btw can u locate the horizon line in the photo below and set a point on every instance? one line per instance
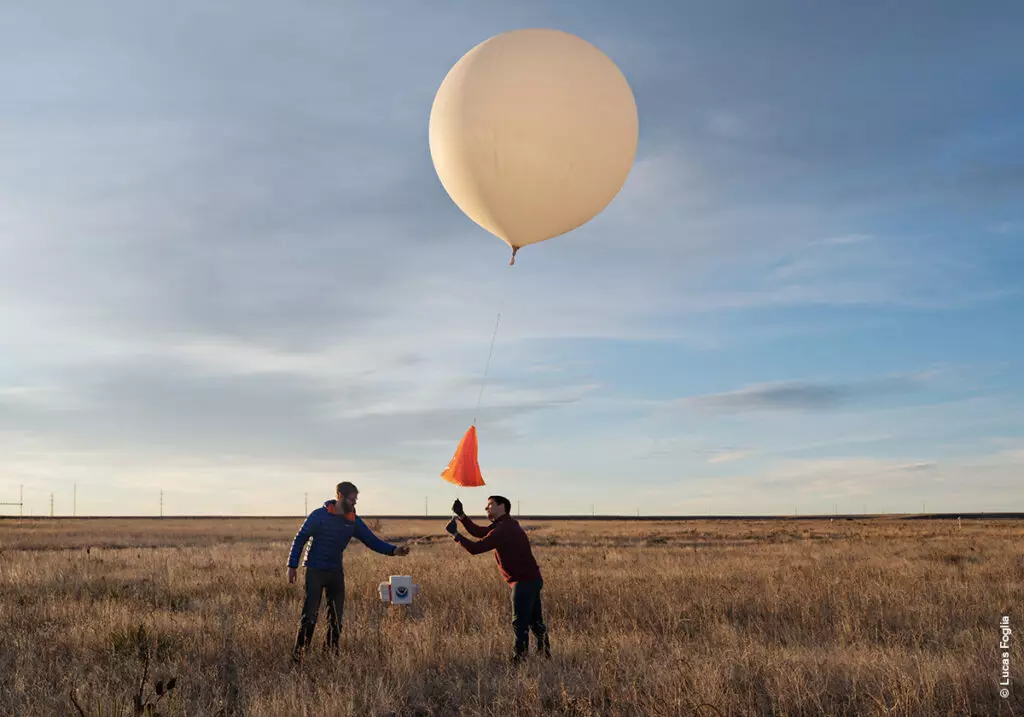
(574, 517)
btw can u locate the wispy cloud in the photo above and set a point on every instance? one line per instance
(1009, 228)
(728, 456)
(854, 483)
(40, 397)
(803, 395)
(843, 240)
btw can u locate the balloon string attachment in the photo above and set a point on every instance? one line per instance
(513, 259)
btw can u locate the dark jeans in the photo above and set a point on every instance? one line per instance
(318, 581)
(528, 617)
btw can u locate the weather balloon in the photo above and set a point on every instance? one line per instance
(533, 133)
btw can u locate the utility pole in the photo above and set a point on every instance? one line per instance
(74, 502)
(305, 504)
(161, 502)
(426, 506)
(51, 505)
(519, 507)
(592, 509)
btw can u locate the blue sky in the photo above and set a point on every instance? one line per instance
(228, 269)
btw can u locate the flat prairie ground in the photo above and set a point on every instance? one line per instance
(782, 617)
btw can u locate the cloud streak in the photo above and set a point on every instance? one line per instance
(803, 395)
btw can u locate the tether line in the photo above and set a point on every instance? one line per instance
(487, 366)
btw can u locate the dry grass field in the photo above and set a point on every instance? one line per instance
(863, 617)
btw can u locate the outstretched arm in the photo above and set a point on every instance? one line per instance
(305, 532)
(476, 547)
(477, 531)
(371, 541)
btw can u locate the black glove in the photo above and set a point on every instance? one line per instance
(457, 508)
(452, 527)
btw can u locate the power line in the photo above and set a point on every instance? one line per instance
(20, 503)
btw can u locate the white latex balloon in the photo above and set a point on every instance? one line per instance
(533, 133)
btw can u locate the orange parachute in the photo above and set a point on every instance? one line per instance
(464, 469)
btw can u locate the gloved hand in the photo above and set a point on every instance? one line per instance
(452, 527)
(457, 508)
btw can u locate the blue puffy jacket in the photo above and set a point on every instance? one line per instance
(331, 532)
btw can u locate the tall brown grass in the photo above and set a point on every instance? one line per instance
(867, 617)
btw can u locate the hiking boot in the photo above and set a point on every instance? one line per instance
(543, 645)
(520, 653)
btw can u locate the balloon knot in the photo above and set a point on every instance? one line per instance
(513, 259)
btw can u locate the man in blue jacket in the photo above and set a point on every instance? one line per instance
(331, 528)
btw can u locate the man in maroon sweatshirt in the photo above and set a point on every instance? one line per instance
(515, 560)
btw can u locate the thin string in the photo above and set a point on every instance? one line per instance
(490, 353)
(487, 368)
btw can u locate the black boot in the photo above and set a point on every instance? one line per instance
(521, 652)
(543, 644)
(332, 641)
(302, 640)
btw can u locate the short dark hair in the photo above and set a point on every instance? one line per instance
(344, 488)
(504, 501)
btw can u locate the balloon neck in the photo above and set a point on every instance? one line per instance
(513, 259)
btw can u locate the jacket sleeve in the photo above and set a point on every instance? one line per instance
(304, 534)
(477, 531)
(371, 541)
(474, 547)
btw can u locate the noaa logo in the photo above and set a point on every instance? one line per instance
(401, 591)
